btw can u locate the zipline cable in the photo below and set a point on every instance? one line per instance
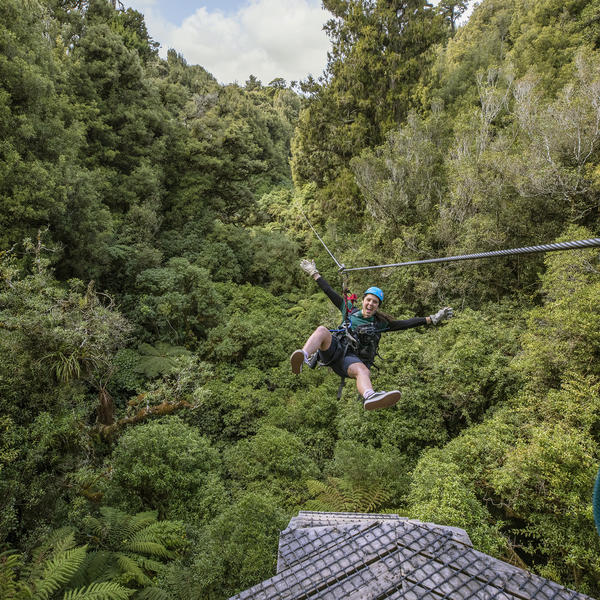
(590, 243)
(341, 267)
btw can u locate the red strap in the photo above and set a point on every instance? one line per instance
(349, 300)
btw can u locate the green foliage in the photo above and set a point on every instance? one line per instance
(244, 334)
(38, 127)
(160, 359)
(58, 570)
(534, 460)
(175, 302)
(130, 26)
(236, 147)
(365, 465)
(122, 550)
(99, 591)
(545, 38)
(128, 549)
(235, 551)
(562, 339)
(53, 569)
(403, 181)
(378, 54)
(165, 466)
(10, 586)
(61, 334)
(274, 460)
(33, 483)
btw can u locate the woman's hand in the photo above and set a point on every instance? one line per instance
(309, 267)
(441, 315)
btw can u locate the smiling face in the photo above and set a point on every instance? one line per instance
(370, 304)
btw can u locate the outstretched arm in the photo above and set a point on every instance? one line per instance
(438, 317)
(309, 267)
(408, 323)
(331, 293)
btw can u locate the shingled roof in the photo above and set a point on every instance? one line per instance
(358, 556)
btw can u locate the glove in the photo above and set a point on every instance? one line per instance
(309, 267)
(441, 315)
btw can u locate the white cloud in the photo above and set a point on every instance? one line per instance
(265, 38)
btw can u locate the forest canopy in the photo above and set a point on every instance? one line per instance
(153, 441)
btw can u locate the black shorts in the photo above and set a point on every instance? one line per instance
(333, 357)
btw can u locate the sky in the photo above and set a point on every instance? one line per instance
(233, 39)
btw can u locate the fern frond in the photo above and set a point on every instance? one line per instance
(97, 566)
(112, 515)
(94, 525)
(58, 571)
(142, 520)
(328, 496)
(315, 487)
(62, 540)
(152, 593)
(378, 497)
(343, 495)
(131, 571)
(149, 548)
(108, 590)
(168, 533)
(10, 587)
(57, 541)
(119, 526)
(150, 565)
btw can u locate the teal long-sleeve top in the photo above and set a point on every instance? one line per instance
(357, 319)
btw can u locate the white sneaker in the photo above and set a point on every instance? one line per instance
(381, 400)
(297, 360)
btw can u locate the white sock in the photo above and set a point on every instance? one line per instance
(305, 356)
(368, 394)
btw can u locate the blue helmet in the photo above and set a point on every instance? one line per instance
(376, 292)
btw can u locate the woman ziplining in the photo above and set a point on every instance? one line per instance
(351, 349)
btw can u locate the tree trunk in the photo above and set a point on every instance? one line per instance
(106, 408)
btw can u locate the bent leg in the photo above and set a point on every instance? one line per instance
(320, 339)
(361, 373)
(372, 400)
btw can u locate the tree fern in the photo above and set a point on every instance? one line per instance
(10, 586)
(57, 542)
(58, 571)
(340, 495)
(160, 359)
(142, 520)
(128, 549)
(167, 533)
(326, 497)
(107, 590)
(152, 593)
(131, 570)
(97, 566)
(116, 525)
(149, 548)
(148, 564)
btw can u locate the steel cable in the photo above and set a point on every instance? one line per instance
(341, 266)
(590, 243)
